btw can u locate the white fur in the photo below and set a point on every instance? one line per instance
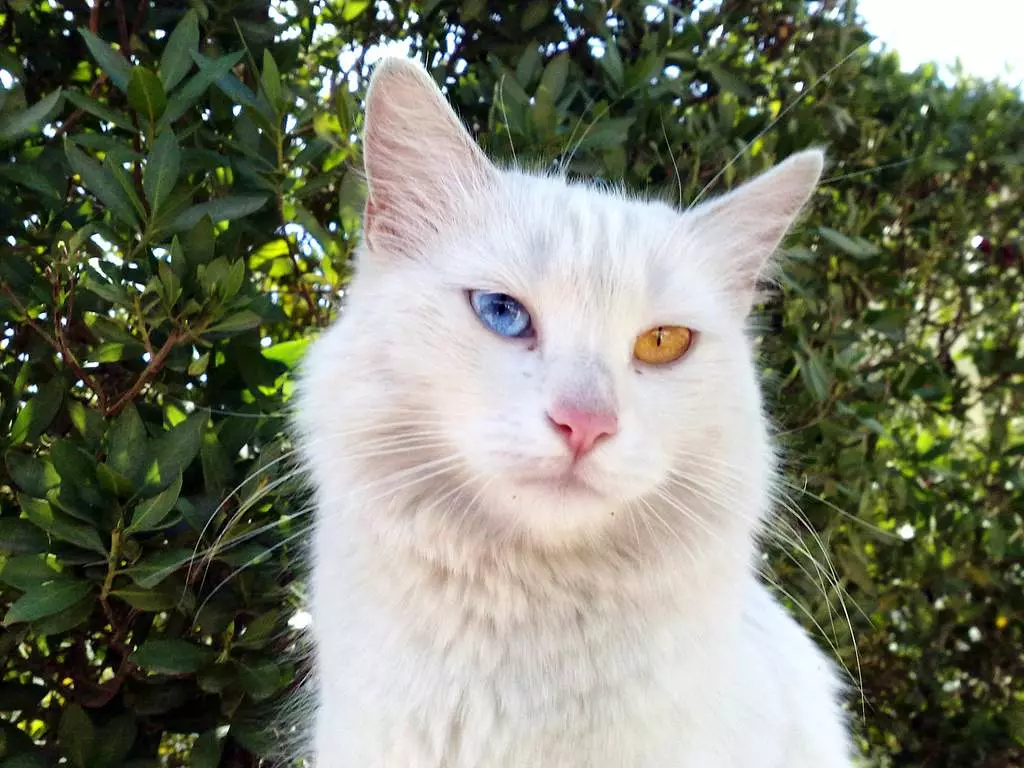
(469, 611)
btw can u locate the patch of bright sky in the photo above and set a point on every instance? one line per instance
(984, 34)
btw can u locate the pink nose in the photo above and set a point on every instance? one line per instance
(581, 427)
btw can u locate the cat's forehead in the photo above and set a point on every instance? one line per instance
(580, 248)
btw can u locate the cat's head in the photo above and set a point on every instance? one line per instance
(558, 360)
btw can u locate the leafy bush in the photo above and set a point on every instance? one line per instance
(180, 204)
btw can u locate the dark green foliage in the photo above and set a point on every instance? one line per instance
(177, 225)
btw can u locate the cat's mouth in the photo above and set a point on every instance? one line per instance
(565, 482)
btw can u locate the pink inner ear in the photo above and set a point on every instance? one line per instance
(377, 228)
(744, 227)
(423, 168)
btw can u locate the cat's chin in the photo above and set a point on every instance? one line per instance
(556, 509)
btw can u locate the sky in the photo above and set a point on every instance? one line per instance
(987, 35)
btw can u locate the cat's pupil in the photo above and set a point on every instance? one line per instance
(657, 337)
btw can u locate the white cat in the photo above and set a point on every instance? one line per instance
(541, 466)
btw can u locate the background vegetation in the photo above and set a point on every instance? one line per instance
(179, 204)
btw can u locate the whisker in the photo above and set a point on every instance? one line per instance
(224, 582)
(828, 570)
(789, 107)
(227, 498)
(675, 165)
(504, 117)
(672, 531)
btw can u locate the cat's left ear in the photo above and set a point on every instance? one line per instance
(742, 229)
(423, 169)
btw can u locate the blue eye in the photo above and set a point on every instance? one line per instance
(502, 314)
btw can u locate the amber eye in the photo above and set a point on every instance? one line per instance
(662, 345)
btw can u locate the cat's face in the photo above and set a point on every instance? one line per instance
(564, 356)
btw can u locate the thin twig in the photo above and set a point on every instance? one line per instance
(58, 345)
(156, 362)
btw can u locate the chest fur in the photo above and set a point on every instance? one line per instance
(424, 680)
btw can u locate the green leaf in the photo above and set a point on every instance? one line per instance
(114, 351)
(218, 469)
(102, 183)
(151, 512)
(234, 280)
(251, 735)
(218, 678)
(46, 599)
(148, 600)
(611, 63)
(261, 629)
(26, 572)
(198, 366)
(179, 264)
(126, 183)
(206, 751)
(35, 759)
(31, 178)
(815, 375)
(77, 736)
(75, 466)
(146, 94)
(197, 85)
(80, 502)
(127, 445)
(174, 451)
(107, 291)
(226, 208)
(200, 242)
(534, 14)
(260, 679)
(555, 75)
(176, 61)
(856, 247)
(114, 482)
(311, 224)
(172, 657)
(115, 742)
(728, 81)
(270, 79)
(290, 353)
(60, 526)
(113, 63)
(100, 110)
(162, 168)
(227, 82)
(528, 65)
(32, 475)
(609, 132)
(153, 569)
(89, 423)
(14, 743)
(240, 321)
(38, 412)
(20, 536)
(353, 9)
(66, 620)
(29, 121)
(351, 194)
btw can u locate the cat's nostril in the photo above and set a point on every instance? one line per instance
(565, 430)
(582, 428)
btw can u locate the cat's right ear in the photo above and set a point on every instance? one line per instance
(744, 227)
(422, 166)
